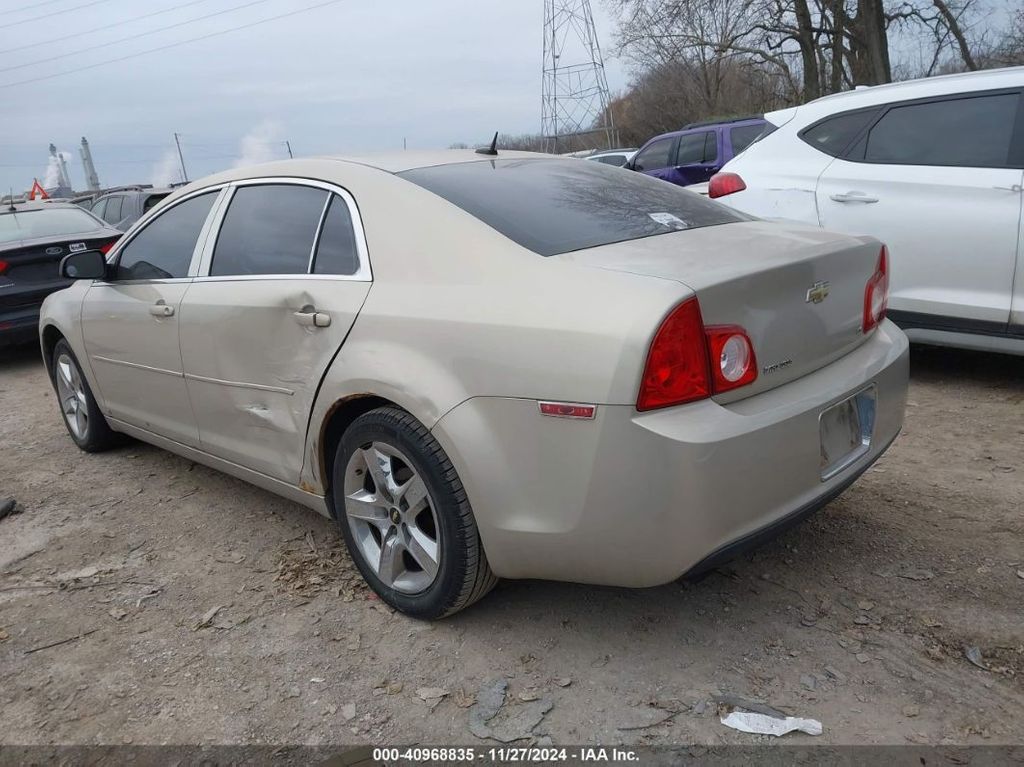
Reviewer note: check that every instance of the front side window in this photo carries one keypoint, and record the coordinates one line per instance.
(618, 160)
(164, 247)
(557, 206)
(655, 156)
(968, 132)
(268, 229)
(833, 136)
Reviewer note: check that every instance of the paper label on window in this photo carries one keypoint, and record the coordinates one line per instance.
(667, 219)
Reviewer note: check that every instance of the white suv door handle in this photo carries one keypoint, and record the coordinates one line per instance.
(160, 309)
(853, 197)
(313, 319)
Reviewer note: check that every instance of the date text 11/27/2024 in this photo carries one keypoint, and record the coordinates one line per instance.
(503, 754)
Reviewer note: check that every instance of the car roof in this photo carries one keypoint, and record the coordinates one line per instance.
(20, 207)
(398, 162)
(703, 127)
(732, 122)
(135, 190)
(389, 162)
(906, 90)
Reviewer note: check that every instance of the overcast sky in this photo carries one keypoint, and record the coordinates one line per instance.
(353, 76)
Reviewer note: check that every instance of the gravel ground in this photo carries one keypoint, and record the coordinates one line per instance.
(186, 607)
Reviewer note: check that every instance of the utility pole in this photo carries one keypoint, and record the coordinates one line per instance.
(289, 145)
(181, 158)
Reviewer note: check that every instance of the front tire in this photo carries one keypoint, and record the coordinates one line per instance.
(82, 417)
(405, 517)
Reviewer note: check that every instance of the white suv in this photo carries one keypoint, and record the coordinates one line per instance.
(933, 168)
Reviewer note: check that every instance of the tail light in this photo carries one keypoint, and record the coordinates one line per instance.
(876, 293)
(688, 362)
(732, 357)
(722, 184)
(3, 267)
(677, 363)
(105, 247)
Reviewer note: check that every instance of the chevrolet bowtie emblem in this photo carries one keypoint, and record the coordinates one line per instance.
(817, 293)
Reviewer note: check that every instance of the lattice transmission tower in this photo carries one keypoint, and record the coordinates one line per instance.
(575, 98)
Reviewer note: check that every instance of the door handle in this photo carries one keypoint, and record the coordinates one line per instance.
(313, 319)
(853, 197)
(160, 309)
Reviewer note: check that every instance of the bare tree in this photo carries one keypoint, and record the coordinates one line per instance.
(813, 47)
(1009, 51)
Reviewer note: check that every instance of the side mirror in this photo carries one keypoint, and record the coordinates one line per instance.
(84, 265)
(629, 165)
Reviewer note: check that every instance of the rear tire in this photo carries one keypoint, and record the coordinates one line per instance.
(405, 517)
(82, 417)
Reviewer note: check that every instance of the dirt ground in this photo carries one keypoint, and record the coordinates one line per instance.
(200, 609)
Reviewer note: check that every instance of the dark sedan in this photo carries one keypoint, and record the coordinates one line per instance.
(34, 237)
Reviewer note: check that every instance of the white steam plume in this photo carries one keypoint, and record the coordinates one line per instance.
(261, 144)
(52, 178)
(166, 171)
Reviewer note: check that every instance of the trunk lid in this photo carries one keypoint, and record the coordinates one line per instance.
(797, 291)
(32, 267)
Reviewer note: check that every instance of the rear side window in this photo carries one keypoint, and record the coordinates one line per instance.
(834, 135)
(655, 156)
(969, 132)
(696, 148)
(163, 249)
(152, 200)
(618, 160)
(268, 229)
(743, 136)
(113, 212)
(557, 206)
(99, 207)
(336, 252)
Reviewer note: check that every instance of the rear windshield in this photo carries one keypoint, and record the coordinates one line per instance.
(744, 135)
(45, 222)
(557, 206)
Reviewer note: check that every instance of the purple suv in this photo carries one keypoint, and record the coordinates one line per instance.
(698, 151)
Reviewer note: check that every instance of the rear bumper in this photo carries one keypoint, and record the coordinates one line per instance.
(778, 527)
(19, 309)
(638, 499)
(19, 325)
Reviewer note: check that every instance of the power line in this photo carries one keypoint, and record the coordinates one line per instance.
(53, 13)
(133, 37)
(170, 45)
(32, 6)
(79, 33)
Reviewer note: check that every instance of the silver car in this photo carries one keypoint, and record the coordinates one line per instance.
(511, 366)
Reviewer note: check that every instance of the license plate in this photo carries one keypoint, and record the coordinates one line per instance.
(846, 430)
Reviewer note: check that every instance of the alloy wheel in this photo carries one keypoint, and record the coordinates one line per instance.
(392, 518)
(71, 391)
